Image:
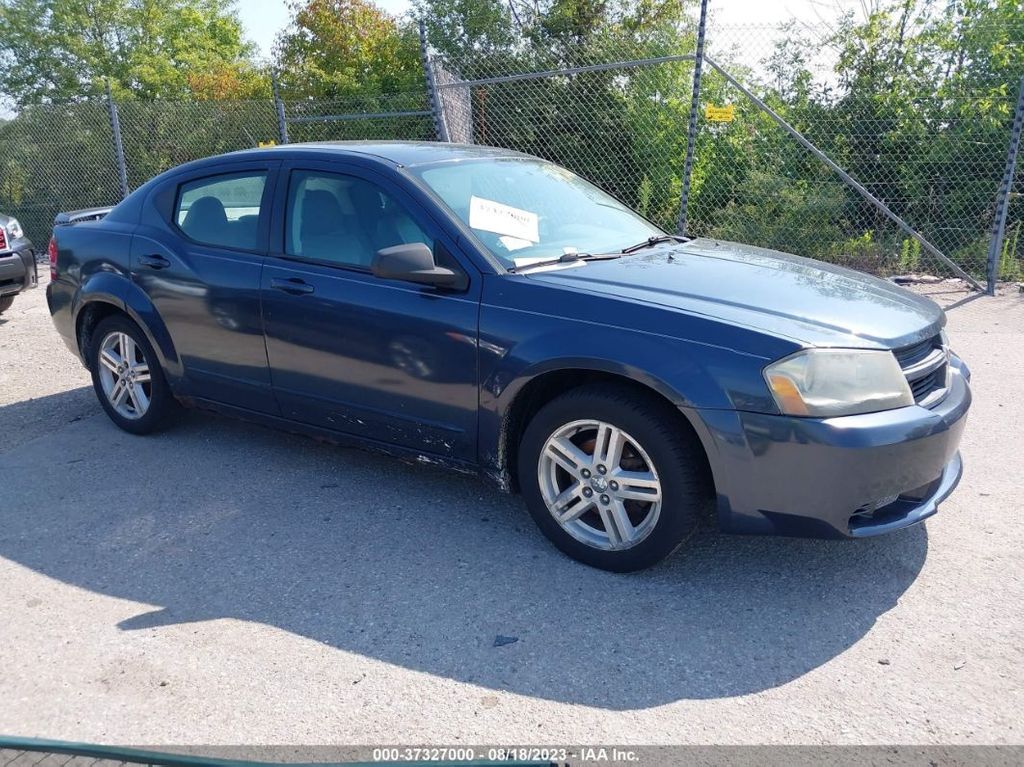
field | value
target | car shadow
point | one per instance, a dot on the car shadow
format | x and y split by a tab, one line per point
29	419
425	569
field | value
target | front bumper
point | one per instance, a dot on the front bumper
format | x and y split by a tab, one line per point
18	271
853	476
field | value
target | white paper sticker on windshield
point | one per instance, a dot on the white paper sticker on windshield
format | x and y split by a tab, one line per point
513	243
491	216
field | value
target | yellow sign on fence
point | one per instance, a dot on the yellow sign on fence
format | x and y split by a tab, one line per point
720	114
265	144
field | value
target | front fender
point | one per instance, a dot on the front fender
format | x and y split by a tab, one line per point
517	347
627	353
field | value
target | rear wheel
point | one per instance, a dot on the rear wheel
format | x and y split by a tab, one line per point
612	477
127	377
5	303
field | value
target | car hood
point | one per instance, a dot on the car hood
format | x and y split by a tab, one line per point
798	298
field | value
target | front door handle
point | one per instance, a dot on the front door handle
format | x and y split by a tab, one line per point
154	262
292	285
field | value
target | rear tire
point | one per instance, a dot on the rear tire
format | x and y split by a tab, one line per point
612	477
127	377
5	303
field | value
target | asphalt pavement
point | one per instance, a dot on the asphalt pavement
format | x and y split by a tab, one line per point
223	583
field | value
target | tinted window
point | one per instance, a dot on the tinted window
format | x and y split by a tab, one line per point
344	219
222	210
531	210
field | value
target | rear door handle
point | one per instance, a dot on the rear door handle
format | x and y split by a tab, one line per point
154	262
292	285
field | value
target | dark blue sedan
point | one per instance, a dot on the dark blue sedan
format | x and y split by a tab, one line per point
492	312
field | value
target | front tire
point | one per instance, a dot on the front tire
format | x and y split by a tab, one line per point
613	477
127	377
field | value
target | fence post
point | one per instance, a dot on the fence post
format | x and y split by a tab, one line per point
432	95
691	134
282	120
115	132
1003	197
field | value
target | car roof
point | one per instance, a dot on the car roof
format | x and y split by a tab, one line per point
403	153
388	153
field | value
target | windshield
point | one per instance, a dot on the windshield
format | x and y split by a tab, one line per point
528	210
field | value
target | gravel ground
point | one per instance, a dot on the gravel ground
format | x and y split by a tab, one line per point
222	583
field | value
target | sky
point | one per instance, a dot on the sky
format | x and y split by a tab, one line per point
263	19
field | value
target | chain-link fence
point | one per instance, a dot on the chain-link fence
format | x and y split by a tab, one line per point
923	156
58	158
616	114
923	135
1010	253
391	116
926	134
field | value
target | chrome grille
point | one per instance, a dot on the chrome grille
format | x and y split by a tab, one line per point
911	355
925	364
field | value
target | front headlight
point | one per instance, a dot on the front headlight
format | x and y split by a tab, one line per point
831	382
14	229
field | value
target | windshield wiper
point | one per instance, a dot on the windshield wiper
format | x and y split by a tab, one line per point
655	240
567	258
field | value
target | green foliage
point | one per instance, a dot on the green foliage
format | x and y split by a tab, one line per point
458	27
177	68
336	49
52	155
776	212
1010	267
923	115
910	255
67	51
918	108
620	128
643	196
61	157
863	252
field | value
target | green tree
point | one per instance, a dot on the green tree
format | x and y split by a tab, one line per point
63	51
337	49
457	27
925	101
614	127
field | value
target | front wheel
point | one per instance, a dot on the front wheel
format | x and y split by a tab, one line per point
613	477
127	377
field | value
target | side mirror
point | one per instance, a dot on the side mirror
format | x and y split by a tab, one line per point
414	262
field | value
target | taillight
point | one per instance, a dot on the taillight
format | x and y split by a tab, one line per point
3	238
51	252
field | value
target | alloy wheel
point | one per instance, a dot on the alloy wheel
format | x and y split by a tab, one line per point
124	375
599	484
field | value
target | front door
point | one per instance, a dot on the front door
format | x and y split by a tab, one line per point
384	360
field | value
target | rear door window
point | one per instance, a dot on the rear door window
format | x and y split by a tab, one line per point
222	210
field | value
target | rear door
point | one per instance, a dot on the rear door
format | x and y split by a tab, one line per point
381	359
200	263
